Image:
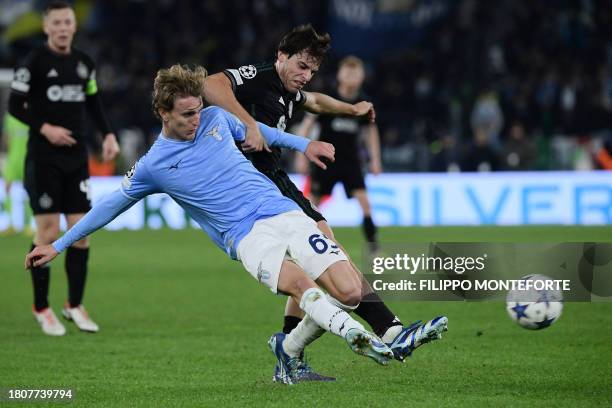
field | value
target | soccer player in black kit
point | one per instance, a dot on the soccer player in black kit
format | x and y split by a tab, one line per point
52	92
271	93
343	132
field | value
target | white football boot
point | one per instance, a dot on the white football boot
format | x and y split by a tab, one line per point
80	317
49	323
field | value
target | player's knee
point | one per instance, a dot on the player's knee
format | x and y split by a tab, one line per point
46	234
297	286
350	296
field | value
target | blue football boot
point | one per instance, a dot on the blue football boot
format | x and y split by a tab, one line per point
291	370
367	344
417	334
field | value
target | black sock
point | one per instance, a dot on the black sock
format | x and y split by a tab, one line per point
369	229
376	313
40	283
76	269
291	323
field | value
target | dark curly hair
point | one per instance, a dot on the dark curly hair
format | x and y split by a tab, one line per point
304	38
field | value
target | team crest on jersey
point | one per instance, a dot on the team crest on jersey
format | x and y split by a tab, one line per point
127	179
82	70
248	71
214	132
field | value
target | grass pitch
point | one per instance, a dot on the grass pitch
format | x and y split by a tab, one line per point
182	325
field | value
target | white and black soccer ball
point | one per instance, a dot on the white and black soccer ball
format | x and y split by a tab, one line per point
535	308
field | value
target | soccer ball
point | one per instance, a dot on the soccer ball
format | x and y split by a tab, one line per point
535	308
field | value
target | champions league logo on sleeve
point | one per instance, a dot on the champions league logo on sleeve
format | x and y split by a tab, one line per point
248	71
127	179
22	75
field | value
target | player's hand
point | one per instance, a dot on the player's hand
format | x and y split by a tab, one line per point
254	141
57	135
40	256
365	108
323	150
110	147
375	167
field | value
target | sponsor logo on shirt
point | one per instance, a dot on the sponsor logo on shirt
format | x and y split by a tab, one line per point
345	125
66	93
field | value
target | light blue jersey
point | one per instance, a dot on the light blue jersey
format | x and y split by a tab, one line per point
207	176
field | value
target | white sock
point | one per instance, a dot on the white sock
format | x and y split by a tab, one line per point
326	315
308	330
392	333
305	333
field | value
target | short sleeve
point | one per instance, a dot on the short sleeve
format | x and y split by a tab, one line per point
243	79
300	99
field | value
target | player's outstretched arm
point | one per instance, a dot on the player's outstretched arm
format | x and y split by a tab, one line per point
218	91
304	129
320	103
101	214
312	149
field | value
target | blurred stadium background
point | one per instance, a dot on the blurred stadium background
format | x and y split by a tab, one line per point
491	113
459	86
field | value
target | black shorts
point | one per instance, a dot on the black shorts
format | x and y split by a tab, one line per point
347	172
57	188
289	190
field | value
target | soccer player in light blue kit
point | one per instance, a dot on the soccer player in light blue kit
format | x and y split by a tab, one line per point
196	162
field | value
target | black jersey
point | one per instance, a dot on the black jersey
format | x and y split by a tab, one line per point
261	93
57	89
342	130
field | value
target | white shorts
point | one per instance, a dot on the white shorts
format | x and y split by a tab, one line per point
293	236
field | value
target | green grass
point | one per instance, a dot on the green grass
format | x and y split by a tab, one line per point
181	325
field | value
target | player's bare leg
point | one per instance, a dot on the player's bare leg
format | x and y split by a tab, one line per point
372	309
76	270
8	208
